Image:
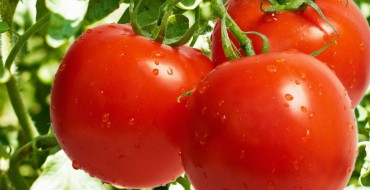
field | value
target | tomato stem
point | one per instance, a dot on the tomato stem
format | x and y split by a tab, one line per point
244	42
14	94
265	41
162	27
293	5
40	143
323	48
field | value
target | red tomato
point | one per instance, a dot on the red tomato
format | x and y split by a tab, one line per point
279	121
114	105
307	32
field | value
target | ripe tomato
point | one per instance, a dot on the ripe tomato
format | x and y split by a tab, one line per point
114	105
273	121
307	32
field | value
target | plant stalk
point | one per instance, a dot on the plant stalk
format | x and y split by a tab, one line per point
244	41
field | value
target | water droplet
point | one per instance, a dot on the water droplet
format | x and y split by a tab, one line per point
272	17
106	120
302	76
305	137
203	87
88	31
131	121
311	116
158	54
349	170
169	71
223	118
62	67
221	103
76	165
304	109
271	68
101	92
286	105
297	82
282	60
351	127
295	165
242	154
289	97
156	62
204	109
362	46
155	72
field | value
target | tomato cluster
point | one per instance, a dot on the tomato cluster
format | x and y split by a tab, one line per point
279	120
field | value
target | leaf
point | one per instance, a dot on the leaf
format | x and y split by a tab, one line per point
177	27
189	4
65	20
364	179
98	9
4	27
59	174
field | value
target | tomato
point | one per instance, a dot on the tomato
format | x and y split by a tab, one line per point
114	105
307	32
273	121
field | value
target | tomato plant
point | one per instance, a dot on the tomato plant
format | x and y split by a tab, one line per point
307	32
36	35
272	121
114	102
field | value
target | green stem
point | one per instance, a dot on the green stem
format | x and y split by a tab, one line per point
20	110
164	21
44	142
23	39
244	42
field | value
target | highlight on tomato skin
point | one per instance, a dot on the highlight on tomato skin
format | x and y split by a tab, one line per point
114	105
307	32
278	121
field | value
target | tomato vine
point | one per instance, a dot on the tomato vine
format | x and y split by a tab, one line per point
34	40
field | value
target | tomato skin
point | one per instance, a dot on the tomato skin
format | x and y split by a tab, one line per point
274	121
307	32
114	105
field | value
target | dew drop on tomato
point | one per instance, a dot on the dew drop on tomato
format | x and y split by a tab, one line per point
131	121
76	165
304	109
155	72
170	71
302	76
289	97
271	68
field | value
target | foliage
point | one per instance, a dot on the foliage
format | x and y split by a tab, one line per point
37	62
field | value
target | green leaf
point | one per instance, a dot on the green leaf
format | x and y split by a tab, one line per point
189	4
364	179
98	9
177	27
65	20
4	27
59	174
